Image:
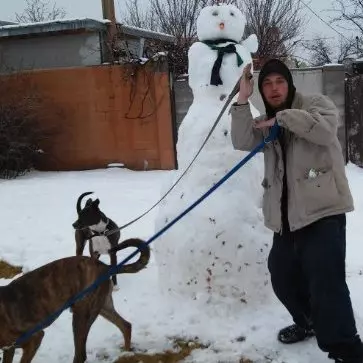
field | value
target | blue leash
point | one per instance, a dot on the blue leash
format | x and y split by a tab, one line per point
272	136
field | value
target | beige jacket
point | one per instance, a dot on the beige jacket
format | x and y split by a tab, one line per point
317	184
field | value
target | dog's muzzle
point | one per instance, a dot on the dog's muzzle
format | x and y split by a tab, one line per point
76	225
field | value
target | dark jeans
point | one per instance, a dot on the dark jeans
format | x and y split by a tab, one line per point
308	276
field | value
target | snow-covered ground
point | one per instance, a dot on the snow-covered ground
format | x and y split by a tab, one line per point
36	216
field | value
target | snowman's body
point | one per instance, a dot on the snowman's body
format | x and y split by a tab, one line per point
215	251
201	59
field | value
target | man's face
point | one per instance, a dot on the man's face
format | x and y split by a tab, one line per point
275	89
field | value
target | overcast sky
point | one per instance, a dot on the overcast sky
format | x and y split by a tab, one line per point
93	9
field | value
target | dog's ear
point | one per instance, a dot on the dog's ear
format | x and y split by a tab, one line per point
89	202
96	202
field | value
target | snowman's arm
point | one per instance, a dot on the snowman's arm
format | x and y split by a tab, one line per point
244	136
251	43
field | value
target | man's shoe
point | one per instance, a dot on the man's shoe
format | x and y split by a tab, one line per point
293	334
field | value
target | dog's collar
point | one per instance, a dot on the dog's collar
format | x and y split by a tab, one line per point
97	233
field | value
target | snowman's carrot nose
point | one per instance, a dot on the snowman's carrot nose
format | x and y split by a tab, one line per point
221	25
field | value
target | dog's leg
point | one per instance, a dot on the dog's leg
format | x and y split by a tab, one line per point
31	347
92	252
84	315
80	242
113	258
81	326
8	355
110	314
90	246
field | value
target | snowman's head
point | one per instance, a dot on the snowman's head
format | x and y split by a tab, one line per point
220	21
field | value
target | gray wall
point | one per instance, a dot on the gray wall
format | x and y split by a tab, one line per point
328	80
132	45
41	52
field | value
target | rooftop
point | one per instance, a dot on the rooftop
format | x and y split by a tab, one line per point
59	25
145	33
8	29
3	22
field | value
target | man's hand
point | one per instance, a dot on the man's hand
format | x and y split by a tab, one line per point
245	85
267	123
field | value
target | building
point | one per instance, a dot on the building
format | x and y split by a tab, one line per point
52	44
70	43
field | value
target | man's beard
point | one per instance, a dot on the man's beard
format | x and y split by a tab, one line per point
282	106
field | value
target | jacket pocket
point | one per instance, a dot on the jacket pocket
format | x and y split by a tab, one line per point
319	192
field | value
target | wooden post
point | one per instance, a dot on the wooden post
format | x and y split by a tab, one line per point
108	12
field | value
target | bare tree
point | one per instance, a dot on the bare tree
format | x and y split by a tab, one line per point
322	52
350	13
174	17
140	16
350	17
40	10
278	25
177	17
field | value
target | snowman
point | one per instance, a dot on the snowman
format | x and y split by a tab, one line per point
218	251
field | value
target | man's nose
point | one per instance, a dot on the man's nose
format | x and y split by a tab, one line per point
274	86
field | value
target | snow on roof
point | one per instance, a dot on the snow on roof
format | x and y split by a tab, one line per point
52	26
333	65
141	32
4	22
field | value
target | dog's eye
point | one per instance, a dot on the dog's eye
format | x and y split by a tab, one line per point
232	13
215	13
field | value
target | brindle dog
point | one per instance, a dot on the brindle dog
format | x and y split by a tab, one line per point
33	297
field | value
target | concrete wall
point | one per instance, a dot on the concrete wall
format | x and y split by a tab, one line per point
44	52
334	87
328	80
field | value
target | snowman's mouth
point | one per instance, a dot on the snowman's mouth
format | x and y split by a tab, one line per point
221	26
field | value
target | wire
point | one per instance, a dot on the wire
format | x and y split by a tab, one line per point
325	22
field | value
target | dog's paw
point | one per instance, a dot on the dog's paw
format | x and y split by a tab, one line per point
115	288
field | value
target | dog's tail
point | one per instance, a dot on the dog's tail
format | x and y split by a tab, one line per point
143	260
79	201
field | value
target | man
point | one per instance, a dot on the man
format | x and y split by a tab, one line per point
306	196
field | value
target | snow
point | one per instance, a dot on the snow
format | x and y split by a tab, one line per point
147	30
39	209
49	22
201	57
332	65
210	18
221	255
207	276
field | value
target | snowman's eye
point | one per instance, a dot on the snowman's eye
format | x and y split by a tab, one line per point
232	13
215	13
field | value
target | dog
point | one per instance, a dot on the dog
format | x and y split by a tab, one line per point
33	297
91	225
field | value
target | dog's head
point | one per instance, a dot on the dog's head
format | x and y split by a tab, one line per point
90	215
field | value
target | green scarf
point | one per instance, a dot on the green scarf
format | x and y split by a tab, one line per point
230	48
